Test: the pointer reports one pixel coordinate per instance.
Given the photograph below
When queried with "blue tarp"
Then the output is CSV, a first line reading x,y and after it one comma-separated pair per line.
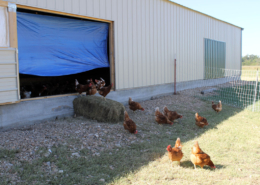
x,y
56,46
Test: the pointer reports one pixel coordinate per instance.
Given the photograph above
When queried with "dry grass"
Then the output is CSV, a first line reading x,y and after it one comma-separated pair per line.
x,y
249,73
250,67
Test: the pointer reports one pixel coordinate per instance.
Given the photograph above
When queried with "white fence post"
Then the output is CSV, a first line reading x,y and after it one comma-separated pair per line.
x,y
256,83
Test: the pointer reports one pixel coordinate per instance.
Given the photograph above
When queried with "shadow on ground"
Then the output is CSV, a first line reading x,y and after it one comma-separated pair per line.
x,y
111,165
189,164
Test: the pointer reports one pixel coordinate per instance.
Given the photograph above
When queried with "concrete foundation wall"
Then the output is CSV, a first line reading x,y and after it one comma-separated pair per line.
x,y
33,111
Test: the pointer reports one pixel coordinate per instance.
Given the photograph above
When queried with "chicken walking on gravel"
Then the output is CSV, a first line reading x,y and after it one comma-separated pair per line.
x,y
129,124
134,105
160,118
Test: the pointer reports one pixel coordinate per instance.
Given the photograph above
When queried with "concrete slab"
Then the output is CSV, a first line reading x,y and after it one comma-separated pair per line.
x,y
33,111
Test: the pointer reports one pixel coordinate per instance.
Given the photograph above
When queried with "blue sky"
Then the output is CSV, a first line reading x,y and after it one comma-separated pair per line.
x,y
243,13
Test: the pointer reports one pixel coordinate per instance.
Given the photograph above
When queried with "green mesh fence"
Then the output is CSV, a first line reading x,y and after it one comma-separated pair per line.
x,y
233,87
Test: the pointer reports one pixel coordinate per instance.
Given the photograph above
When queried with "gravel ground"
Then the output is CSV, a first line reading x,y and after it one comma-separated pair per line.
x,y
79,133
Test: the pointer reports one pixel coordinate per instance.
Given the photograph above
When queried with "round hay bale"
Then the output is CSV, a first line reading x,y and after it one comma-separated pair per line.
x,y
94,107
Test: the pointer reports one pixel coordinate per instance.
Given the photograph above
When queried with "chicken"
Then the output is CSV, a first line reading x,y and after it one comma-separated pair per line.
x,y
44,88
37,90
160,118
200,121
93,89
175,154
134,105
171,115
103,91
88,80
81,88
100,83
198,157
217,107
129,124
25,94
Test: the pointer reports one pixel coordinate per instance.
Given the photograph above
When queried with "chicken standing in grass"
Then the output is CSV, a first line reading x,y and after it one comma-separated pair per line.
x,y
160,118
129,124
217,107
200,121
175,154
134,105
198,157
171,115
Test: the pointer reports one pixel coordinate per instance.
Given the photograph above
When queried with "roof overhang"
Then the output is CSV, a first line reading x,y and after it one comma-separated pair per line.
x,y
204,14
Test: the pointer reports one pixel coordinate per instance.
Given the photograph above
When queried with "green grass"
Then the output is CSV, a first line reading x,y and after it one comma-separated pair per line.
x,y
241,96
7,153
231,139
4,181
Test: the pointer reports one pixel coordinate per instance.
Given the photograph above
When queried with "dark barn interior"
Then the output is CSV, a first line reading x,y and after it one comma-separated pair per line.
x,y
37,86
58,85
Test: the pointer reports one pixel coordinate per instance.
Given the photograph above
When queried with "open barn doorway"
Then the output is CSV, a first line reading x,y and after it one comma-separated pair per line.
x,y
38,78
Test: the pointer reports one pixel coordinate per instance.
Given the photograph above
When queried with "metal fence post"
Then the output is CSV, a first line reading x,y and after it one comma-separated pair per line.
x,y
175,75
256,83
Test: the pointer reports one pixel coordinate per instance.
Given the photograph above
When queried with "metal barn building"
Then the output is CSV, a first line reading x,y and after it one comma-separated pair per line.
x,y
144,38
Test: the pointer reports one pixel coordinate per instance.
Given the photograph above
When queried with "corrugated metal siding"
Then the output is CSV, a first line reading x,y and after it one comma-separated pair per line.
x,y
215,58
147,35
8,76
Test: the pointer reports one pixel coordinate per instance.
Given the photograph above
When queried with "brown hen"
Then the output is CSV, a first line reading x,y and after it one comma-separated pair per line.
x,y
171,115
217,107
93,89
175,154
134,105
198,157
160,118
100,83
129,124
103,91
81,88
200,121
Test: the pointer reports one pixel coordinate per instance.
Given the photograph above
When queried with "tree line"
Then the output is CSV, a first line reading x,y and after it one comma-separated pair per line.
x,y
251,60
